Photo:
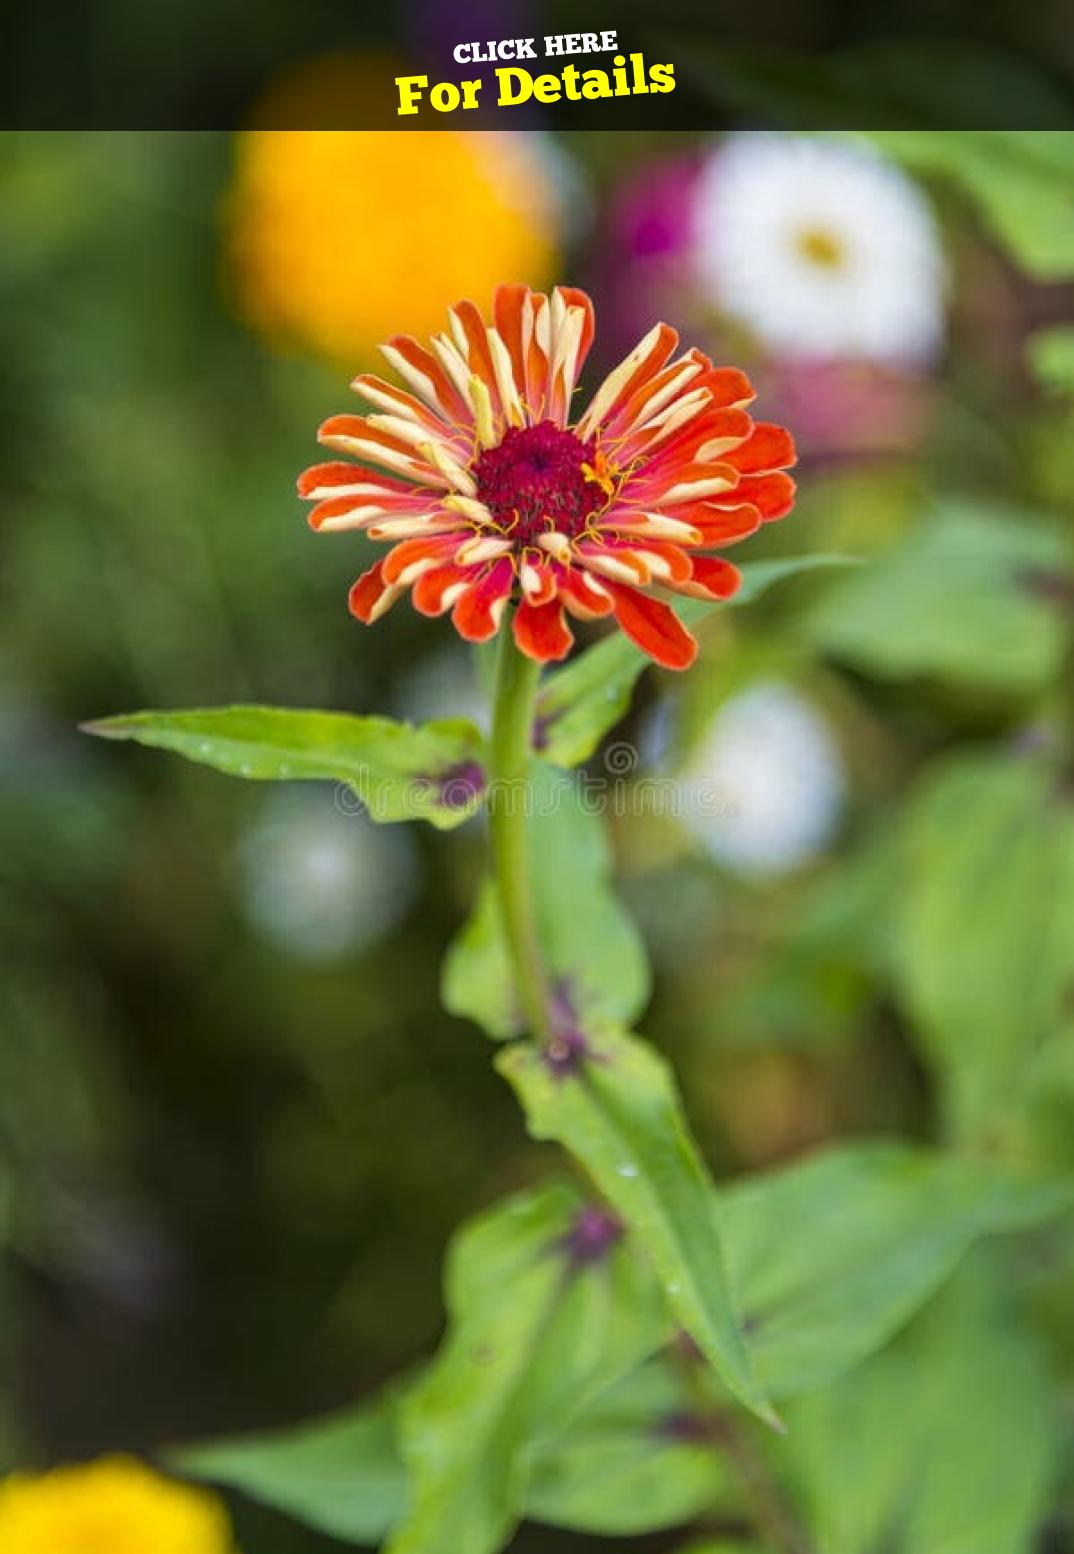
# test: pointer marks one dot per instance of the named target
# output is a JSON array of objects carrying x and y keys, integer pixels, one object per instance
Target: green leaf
[
  {"x": 1051, "y": 358},
  {"x": 600, "y": 970},
  {"x": 723, "y": 1546},
  {"x": 536, "y": 1330},
  {"x": 581, "y": 702},
  {"x": 629, "y": 1464},
  {"x": 341, "y": 1475},
  {"x": 618, "y": 1112},
  {"x": 1020, "y": 181},
  {"x": 834, "y": 1255},
  {"x": 984, "y": 925},
  {"x": 943, "y": 1444},
  {"x": 400, "y": 772},
  {"x": 959, "y": 598}
]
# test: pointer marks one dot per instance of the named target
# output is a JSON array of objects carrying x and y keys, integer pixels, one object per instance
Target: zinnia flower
[
  {"x": 117, "y": 1506},
  {"x": 822, "y": 248},
  {"x": 494, "y": 494}
]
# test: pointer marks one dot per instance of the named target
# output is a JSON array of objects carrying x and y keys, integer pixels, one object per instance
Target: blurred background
[{"x": 236, "y": 1129}]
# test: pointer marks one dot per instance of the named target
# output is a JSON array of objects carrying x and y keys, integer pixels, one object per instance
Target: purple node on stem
[
  {"x": 684, "y": 1427},
  {"x": 592, "y": 1236},
  {"x": 460, "y": 786},
  {"x": 567, "y": 1048}
]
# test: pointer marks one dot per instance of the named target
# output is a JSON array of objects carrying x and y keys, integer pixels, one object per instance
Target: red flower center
[{"x": 538, "y": 479}]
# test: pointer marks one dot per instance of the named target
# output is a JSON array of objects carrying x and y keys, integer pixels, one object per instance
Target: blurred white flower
[
  {"x": 764, "y": 788},
  {"x": 443, "y": 685},
  {"x": 321, "y": 881},
  {"x": 821, "y": 247}
]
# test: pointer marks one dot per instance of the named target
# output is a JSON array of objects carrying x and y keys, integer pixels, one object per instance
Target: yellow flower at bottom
[
  {"x": 339, "y": 237},
  {"x": 115, "y": 1506}
]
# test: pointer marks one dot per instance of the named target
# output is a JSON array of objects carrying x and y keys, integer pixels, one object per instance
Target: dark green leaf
[
  {"x": 536, "y": 1330},
  {"x": 600, "y": 968},
  {"x": 400, "y": 772},
  {"x": 1051, "y": 358},
  {"x": 618, "y": 1112},
  {"x": 959, "y": 598},
  {"x": 984, "y": 917},
  {"x": 1020, "y": 181},
  {"x": 630, "y": 1464},
  {"x": 581, "y": 702},
  {"x": 341, "y": 1475},
  {"x": 832, "y": 1256},
  {"x": 943, "y": 1444},
  {"x": 722, "y": 1546}
]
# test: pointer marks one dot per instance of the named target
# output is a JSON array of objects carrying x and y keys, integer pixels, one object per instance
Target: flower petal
[
  {"x": 436, "y": 591},
  {"x": 406, "y": 562},
  {"x": 710, "y": 578},
  {"x": 478, "y": 611},
  {"x": 643, "y": 363},
  {"x": 371, "y": 597},
  {"x": 653, "y": 626},
  {"x": 768, "y": 447},
  {"x": 585, "y": 597},
  {"x": 771, "y": 494},
  {"x": 541, "y": 631}
]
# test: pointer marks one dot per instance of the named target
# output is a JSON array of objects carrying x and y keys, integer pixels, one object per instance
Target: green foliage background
[{"x": 228, "y": 1175}]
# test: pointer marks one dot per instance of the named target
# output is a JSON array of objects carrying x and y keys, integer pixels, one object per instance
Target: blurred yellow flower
[
  {"x": 339, "y": 238},
  {"x": 115, "y": 1506}
]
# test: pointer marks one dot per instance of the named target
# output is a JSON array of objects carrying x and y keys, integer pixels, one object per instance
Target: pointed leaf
[
  {"x": 543, "y": 1316},
  {"x": 631, "y": 1463},
  {"x": 960, "y": 598},
  {"x": 616, "y": 1109},
  {"x": 398, "y": 771},
  {"x": 985, "y": 925},
  {"x": 601, "y": 972},
  {"x": 943, "y": 1444},
  {"x": 580, "y": 703},
  {"x": 1019, "y": 179},
  {"x": 833, "y": 1255},
  {"x": 341, "y": 1475}
]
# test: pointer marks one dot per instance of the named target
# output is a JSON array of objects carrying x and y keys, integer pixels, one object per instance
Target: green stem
[{"x": 514, "y": 705}]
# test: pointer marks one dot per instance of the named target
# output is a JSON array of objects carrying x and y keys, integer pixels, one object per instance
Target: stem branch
[
  {"x": 509, "y": 804},
  {"x": 731, "y": 1438}
]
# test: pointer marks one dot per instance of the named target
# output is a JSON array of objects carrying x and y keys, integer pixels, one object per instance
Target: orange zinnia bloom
[{"x": 493, "y": 494}]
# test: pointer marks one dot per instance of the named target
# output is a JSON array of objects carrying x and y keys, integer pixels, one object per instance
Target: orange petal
[
  {"x": 433, "y": 381},
  {"x": 406, "y": 561},
  {"x": 437, "y": 590},
  {"x": 478, "y": 612},
  {"x": 479, "y": 357},
  {"x": 768, "y": 447},
  {"x": 541, "y": 631},
  {"x": 710, "y": 578},
  {"x": 655, "y": 627},
  {"x": 575, "y": 298},
  {"x": 584, "y": 596},
  {"x": 772, "y": 494},
  {"x": 728, "y": 386},
  {"x": 507, "y": 307},
  {"x": 371, "y": 597},
  {"x": 723, "y": 525}
]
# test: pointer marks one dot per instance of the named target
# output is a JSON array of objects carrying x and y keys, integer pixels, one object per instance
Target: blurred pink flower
[
  {"x": 849, "y": 409},
  {"x": 647, "y": 247}
]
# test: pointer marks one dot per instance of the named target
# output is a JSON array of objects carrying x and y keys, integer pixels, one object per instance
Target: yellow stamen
[
  {"x": 601, "y": 473},
  {"x": 822, "y": 247}
]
